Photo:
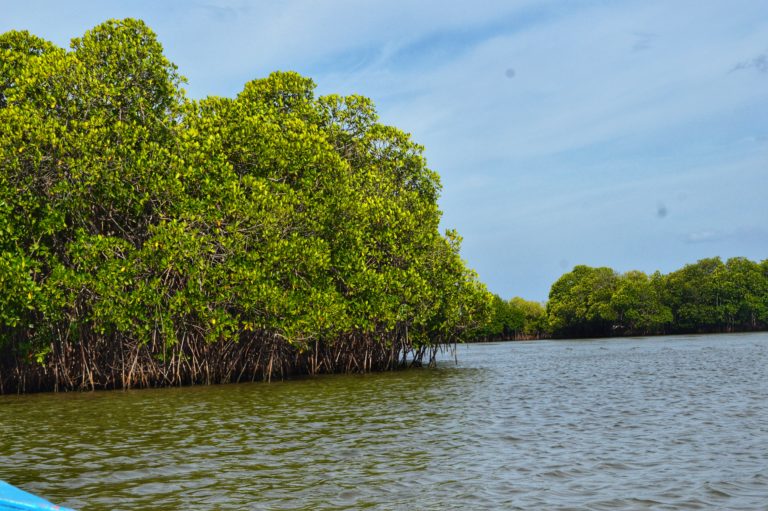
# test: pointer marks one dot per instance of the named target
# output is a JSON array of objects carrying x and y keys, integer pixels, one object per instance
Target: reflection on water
[{"x": 652, "y": 423}]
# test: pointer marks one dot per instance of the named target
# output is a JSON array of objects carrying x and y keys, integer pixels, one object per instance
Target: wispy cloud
[
  {"x": 702, "y": 237},
  {"x": 643, "y": 41},
  {"x": 759, "y": 63}
]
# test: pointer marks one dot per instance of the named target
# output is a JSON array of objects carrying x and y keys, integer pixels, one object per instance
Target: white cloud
[{"x": 702, "y": 236}]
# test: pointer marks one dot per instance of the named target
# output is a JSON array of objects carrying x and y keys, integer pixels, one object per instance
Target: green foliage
[
  {"x": 515, "y": 319},
  {"x": 711, "y": 296},
  {"x": 580, "y": 302},
  {"x": 637, "y": 303},
  {"x": 707, "y": 296},
  {"x": 132, "y": 216},
  {"x": 531, "y": 318},
  {"x": 694, "y": 295}
]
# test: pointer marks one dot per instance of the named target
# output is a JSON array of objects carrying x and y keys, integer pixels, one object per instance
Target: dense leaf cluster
[
  {"x": 149, "y": 239},
  {"x": 708, "y": 296},
  {"x": 514, "y": 319}
]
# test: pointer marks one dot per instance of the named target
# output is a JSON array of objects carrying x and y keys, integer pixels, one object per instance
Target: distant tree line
[
  {"x": 149, "y": 239},
  {"x": 515, "y": 319},
  {"x": 705, "y": 297}
]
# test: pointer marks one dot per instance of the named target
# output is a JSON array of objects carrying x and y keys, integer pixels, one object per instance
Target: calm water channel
[{"x": 651, "y": 423}]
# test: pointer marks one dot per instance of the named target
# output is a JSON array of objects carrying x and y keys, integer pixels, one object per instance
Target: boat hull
[{"x": 15, "y": 499}]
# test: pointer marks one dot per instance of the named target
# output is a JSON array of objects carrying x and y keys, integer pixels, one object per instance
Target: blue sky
[{"x": 629, "y": 134}]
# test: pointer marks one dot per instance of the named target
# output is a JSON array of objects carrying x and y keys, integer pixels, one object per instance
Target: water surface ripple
[{"x": 646, "y": 423}]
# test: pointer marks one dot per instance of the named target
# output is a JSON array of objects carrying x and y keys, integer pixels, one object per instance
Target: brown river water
[{"x": 641, "y": 423}]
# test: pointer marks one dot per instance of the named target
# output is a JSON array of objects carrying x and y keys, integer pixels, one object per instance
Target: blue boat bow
[{"x": 14, "y": 499}]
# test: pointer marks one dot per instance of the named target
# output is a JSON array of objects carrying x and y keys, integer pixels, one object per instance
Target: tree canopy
[
  {"x": 146, "y": 238},
  {"x": 514, "y": 319},
  {"x": 706, "y": 296}
]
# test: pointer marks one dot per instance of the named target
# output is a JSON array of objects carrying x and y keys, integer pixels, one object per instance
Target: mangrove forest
[
  {"x": 148, "y": 239},
  {"x": 709, "y": 296}
]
